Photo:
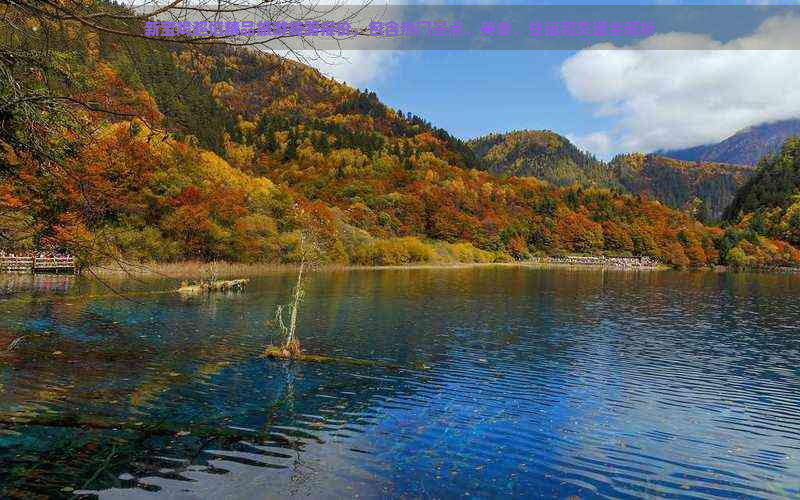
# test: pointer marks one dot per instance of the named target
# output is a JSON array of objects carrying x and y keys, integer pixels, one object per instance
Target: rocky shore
[{"x": 602, "y": 261}]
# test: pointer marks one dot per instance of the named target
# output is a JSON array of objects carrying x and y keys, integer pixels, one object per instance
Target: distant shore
[
  {"x": 602, "y": 261},
  {"x": 192, "y": 270},
  {"x": 221, "y": 269}
]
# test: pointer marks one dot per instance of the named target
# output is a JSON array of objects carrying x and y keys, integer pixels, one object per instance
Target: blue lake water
[{"x": 542, "y": 383}]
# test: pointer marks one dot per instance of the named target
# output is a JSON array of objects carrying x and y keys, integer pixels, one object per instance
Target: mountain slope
[
  {"x": 239, "y": 155},
  {"x": 769, "y": 203},
  {"x": 542, "y": 154},
  {"x": 745, "y": 147},
  {"x": 553, "y": 158},
  {"x": 704, "y": 188}
]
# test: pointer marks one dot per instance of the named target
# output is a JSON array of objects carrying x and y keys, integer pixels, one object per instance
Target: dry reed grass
[{"x": 191, "y": 269}]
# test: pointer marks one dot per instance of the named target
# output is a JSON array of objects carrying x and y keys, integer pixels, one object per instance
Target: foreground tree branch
[{"x": 50, "y": 110}]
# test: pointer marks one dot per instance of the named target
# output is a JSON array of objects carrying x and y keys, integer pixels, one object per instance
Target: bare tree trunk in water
[{"x": 292, "y": 344}]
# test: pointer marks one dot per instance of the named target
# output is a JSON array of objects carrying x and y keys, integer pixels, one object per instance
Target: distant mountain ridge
[
  {"x": 769, "y": 203},
  {"x": 543, "y": 154},
  {"x": 745, "y": 147},
  {"x": 705, "y": 188}
]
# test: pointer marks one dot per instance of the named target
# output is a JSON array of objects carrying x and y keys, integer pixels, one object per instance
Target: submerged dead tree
[
  {"x": 291, "y": 339},
  {"x": 309, "y": 252},
  {"x": 291, "y": 346},
  {"x": 312, "y": 245}
]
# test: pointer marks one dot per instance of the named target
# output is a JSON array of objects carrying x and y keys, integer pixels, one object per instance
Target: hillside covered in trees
[
  {"x": 216, "y": 152},
  {"x": 542, "y": 154},
  {"x": 705, "y": 189},
  {"x": 769, "y": 203}
]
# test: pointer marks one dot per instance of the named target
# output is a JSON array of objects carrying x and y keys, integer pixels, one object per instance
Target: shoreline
[
  {"x": 223, "y": 269},
  {"x": 194, "y": 269}
]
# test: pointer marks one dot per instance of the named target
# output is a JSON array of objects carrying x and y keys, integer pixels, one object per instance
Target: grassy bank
[
  {"x": 224, "y": 270},
  {"x": 191, "y": 269}
]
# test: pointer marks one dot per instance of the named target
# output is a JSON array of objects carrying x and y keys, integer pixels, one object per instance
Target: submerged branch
[
  {"x": 274, "y": 352},
  {"x": 214, "y": 286}
]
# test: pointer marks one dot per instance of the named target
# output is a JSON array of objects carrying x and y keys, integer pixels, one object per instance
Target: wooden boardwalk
[{"x": 37, "y": 264}]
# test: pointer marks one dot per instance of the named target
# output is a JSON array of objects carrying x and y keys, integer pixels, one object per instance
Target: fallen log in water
[
  {"x": 274, "y": 352},
  {"x": 214, "y": 286}
]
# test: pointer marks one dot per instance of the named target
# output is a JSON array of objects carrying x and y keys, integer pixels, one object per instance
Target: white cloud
[
  {"x": 357, "y": 68},
  {"x": 678, "y": 98},
  {"x": 598, "y": 143}
]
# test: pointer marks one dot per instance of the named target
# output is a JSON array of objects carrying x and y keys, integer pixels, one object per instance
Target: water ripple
[{"x": 543, "y": 383}]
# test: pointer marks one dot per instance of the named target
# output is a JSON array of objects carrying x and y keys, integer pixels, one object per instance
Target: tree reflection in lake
[{"x": 542, "y": 382}]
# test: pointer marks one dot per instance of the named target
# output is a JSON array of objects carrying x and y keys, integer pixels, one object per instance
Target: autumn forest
[{"x": 162, "y": 152}]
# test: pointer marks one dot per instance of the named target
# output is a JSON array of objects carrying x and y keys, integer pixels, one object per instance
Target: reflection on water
[
  {"x": 542, "y": 383},
  {"x": 13, "y": 283}
]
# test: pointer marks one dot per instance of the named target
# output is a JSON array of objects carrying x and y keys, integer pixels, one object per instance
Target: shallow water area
[{"x": 543, "y": 382}]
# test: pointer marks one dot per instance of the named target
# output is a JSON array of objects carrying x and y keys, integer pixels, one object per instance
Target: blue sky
[
  {"x": 606, "y": 101},
  {"x": 471, "y": 93}
]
